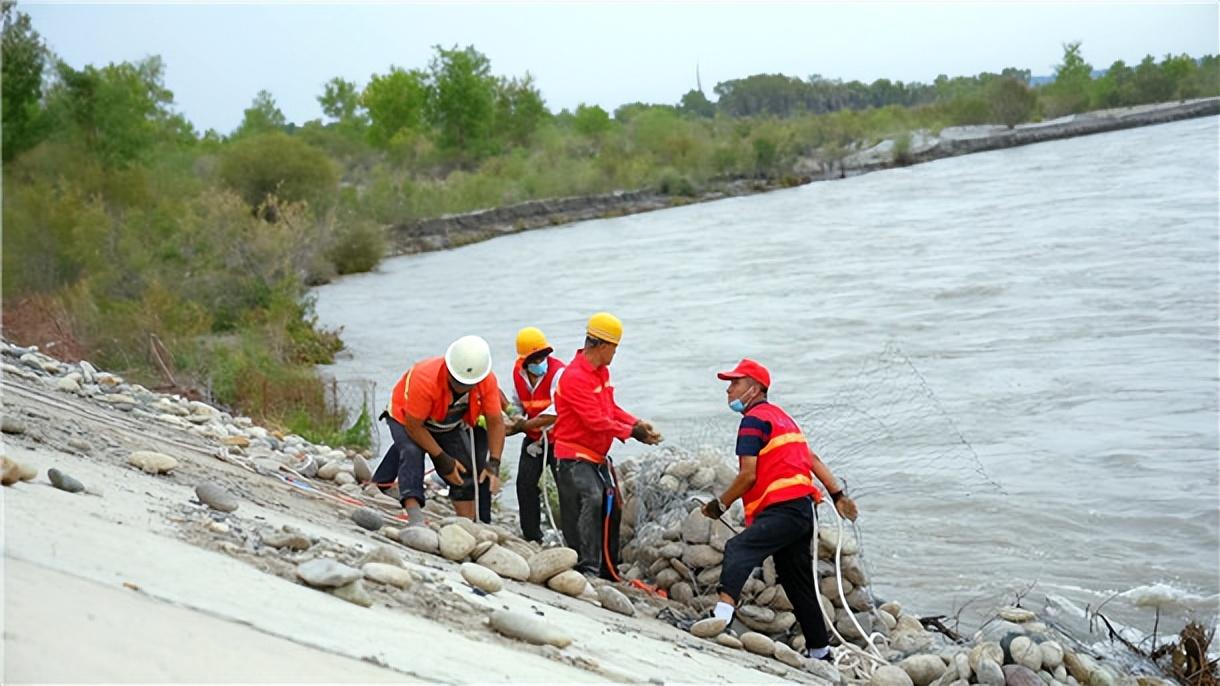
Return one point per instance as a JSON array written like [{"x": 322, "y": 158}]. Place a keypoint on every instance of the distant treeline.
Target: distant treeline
[{"x": 126, "y": 229}]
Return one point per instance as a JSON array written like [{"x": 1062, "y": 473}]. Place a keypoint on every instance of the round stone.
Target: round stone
[
  {"x": 420, "y": 538},
  {"x": 923, "y": 669},
  {"x": 757, "y": 643},
  {"x": 505, "y": 562},
  {"x": 367, "y": 518},
  {"x": 388, "y": 574},
  {"x": 152, "y": 462},
  {"x": 528, "y": 628},
  {"x": 612, "y": 599},
  {"x": 215, "y": 497},
  {"x": 64, "y": 482},
  {"x": 1026, "y": 653},
  {"x": 1017, "y": 614},
  {"x": 550, "y": 562},
  {"x": 889, "y": 675},
  {"x": 1020, "y": 675},
  {"x": 361, "y": 469},
  {"x": 481, "y": 577},
  {"x": 570, "y": 583},
  {"x": 323, "y": 572},
  {"x": 456, "y": 542},
  {"x": 354, "y": 593},
  {"x": 708, "y": 628},
  {"x": 728, "y": 641},
  {"x": 787, "y": 655},
  {"x": 989, "y": 673},
  {"x": 987, "y": 649},
  {"x": 1052, "y": 655}
]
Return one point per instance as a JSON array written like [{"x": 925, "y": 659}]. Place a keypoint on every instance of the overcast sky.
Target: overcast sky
[{"x": 219, "y": 56}]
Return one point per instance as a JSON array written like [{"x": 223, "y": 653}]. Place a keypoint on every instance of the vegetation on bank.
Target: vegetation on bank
[{"x": 184, "y": 258}]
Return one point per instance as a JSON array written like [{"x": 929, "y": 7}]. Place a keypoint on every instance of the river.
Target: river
[{"x": 1011, "y": 356}]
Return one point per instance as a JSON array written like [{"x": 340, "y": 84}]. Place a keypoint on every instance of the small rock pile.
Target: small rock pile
[
  {"x": 668, "y": 542},
  {"x": 238, "y": 437},
  {"x": 673, "y": 546}
]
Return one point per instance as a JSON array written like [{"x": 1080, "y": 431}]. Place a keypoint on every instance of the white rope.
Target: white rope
[
  {"x": 473, "y": 465},
  {"x": 853, "y": 659},
  {"x": 546, "y": 501}
]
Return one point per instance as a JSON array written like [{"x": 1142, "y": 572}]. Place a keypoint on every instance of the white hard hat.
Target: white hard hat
[{"x": 469, "y": 359}]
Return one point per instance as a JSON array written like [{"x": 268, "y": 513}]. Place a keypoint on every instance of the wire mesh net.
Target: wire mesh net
[{"x": 879, "y": 424}]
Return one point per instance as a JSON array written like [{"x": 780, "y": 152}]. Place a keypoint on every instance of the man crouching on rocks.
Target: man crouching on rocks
[
  {"x": 775, "y": 485},
  {"x": 435, "y": 409}
]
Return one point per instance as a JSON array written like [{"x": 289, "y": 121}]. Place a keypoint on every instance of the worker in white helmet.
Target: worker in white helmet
[{"x": 449, "y": 408}]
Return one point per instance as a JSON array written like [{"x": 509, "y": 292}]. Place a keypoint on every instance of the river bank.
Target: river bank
[
  {"x": 214, "y": 536},
  {"x": 452, "y": 231}
]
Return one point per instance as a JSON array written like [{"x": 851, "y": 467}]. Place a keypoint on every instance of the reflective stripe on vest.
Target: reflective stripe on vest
[
  {"x": 565, "y": 450},
  {"x": 785, "y": 463},
  {"x": 799, "y": 480},
  {"x": 537, "y": 400}
]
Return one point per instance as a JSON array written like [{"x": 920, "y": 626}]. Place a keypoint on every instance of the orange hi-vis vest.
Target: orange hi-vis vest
[
  {"x": 537, "y": 400},
  {"x": 785, "y": 464},
  {"x": 424, "y": 393}
]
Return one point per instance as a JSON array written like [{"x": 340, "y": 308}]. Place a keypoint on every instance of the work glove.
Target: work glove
[
  {"x": 451, "y": 470},
  {"x": 844, "y": 505},
  {"x": 713, "y": 509}
]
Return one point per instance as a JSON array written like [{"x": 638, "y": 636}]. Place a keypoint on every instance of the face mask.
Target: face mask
[
  {"x": 538, "y": 369},
  {"x": 737, "y": 406}
]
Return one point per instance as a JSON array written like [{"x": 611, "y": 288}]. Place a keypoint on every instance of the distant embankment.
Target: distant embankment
[{"x": 451, "y": 231}]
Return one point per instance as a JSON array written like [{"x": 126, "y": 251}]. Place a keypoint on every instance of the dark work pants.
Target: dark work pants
[
  {"x": 529, "y": 494},
  {"x": 583, "y": 488},
  {"x": 783, "y": 531},
  {"x": 404, "y": 461}
]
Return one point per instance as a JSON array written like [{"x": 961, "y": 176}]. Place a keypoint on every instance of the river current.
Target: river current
[{"x": 1011, "y": 356}]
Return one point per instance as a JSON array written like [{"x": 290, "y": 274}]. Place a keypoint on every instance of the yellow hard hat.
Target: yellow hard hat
[
  {"x": 605, "y": 327},
  {"x": 531, "y": 340}
]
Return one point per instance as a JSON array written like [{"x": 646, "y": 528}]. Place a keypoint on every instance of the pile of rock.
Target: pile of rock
[
  {"x": 266, "y": 451},
  {"x": 669, "y": 543}
]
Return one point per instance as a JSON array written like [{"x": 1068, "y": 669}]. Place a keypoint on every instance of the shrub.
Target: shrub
[
  {"x": 358, "y": 246},
  {"x": 276, "y": 164}
]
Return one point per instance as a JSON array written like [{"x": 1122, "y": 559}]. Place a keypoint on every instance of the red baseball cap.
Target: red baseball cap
[{"x": 748, "y": 369}]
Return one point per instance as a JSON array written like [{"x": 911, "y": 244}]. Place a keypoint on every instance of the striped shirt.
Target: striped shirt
[{"x": 752, "y": 434}]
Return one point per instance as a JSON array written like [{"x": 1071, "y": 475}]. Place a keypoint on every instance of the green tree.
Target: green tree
[
  {"x": 340, "y": 100},
  {"x": 590, "y": 120},
  {"x": 23, "y": 62},
  {"x": 463, "y": 103},
  {"x": 696, "y": 104},
  {"x": 120, "y": 111},
  {"x": 1114, "y": 88},
  {"x": 1069, "y": 92},
  {"x": 1150, "y": 82},
  {"x": 396, "y": 102},
  {"x": 1180, "y": 72},
  {"x": 275, "y": 164},
  {"x": 262, "y": 116},
  {"x": 1012, "y": 102},
  {"x": 519, "y": 109}
]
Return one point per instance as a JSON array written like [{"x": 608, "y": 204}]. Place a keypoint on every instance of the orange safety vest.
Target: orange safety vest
[
  {"x": 785, "y": 464},
  {"x": 430, "y": 379},
  {"x": 537, "y": 400}
]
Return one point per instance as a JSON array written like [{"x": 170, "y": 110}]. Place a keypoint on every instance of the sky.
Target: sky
[{"x": 218, "y": 56}]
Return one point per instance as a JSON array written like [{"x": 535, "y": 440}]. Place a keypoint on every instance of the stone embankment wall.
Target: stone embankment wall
[{"x": 451, "y": 231}]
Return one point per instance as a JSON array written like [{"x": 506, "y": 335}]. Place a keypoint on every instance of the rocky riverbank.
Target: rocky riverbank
[
  {"x": 160, "y": 537},
  {"x": 453, "y": 231}
]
